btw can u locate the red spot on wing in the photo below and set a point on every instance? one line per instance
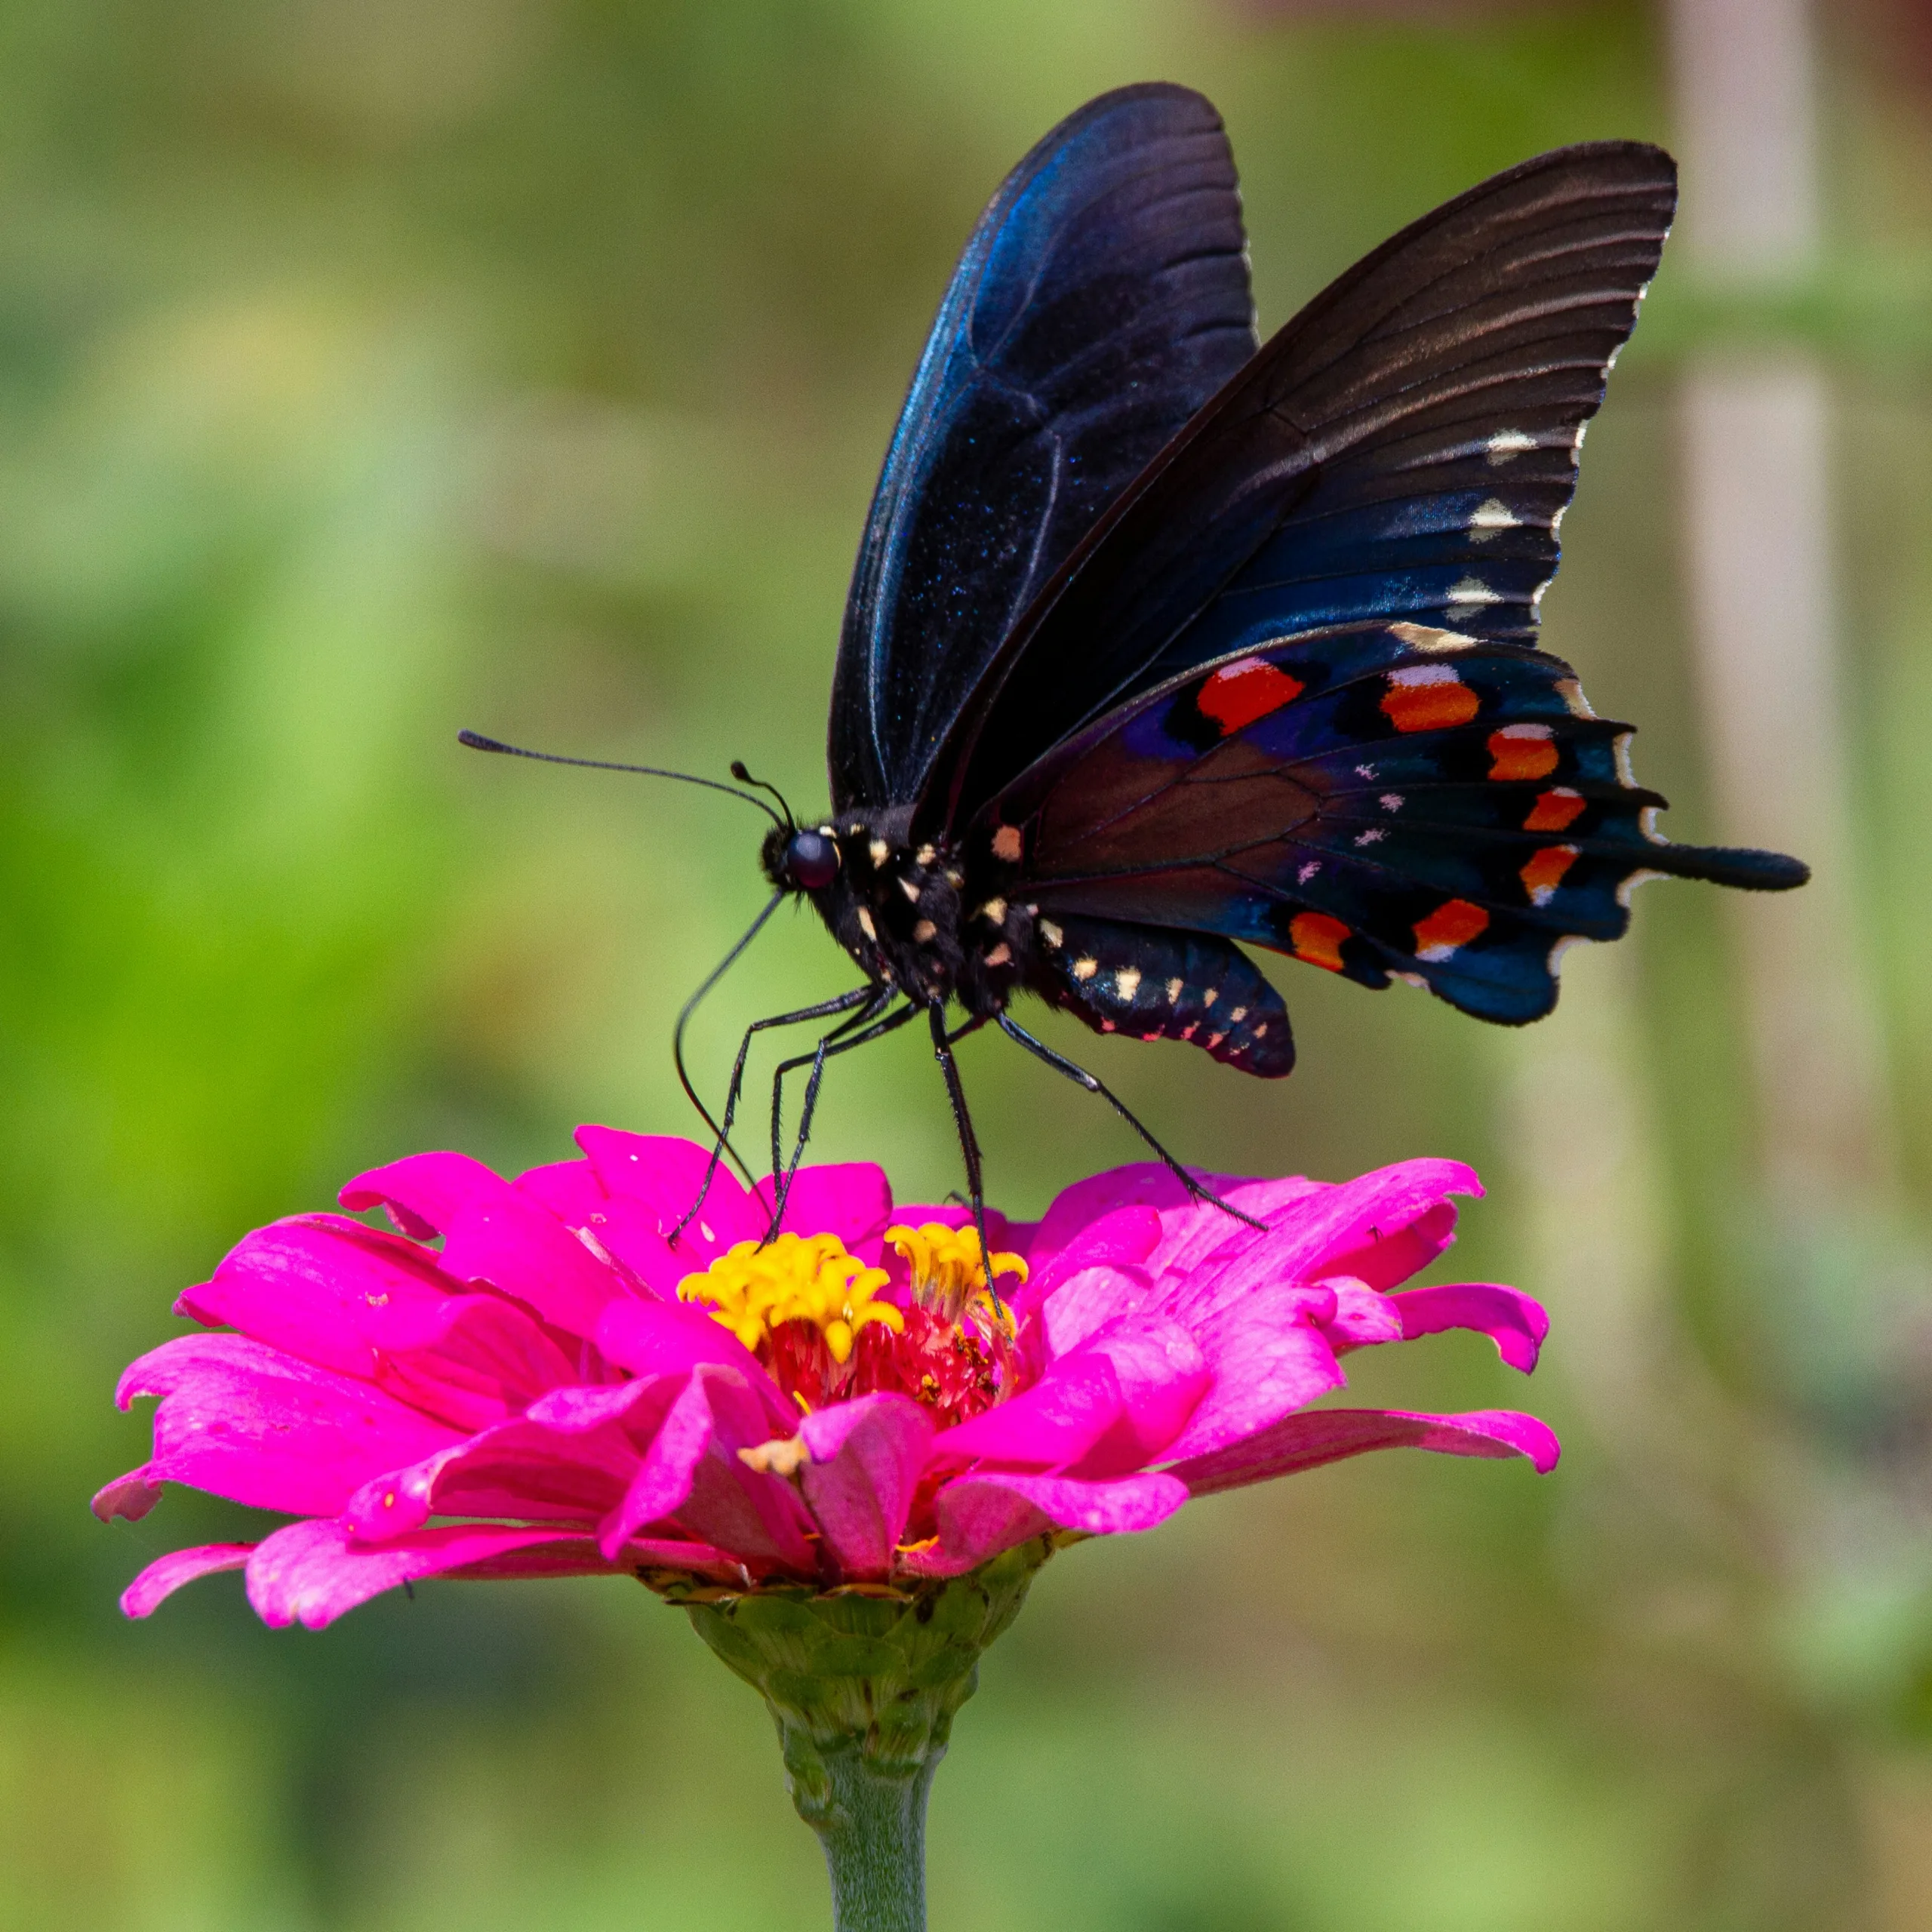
(1452, 924)
(1555, 810)
(1318, 939)
(1544, 872)
(1428, 698)
(1238, 693)
(1523, 751)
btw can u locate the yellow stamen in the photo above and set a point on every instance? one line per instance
(808, 1278)
(948, 1265)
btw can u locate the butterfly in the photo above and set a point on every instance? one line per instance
(1162, 643)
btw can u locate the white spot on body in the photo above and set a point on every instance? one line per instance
(865, 925)
(1000, 955)
(926, 855)
(1506, 445)
(993, 911)
(923, 932)
(911, 889)
(880, 851)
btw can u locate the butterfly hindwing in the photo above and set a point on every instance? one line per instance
(1403, 449)
(1377, 799)
(1101, 300)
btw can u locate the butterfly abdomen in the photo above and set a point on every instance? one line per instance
(1152, 984)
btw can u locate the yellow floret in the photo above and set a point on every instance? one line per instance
(812, 1278)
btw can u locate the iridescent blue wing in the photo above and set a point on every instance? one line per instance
(1379, 799)
(1101, 300)
(1404, 448)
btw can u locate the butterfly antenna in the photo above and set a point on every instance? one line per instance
(717, 972)
(744, 777)
(477, 742)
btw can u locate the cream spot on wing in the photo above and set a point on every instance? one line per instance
(1641, 877)
(865, 925)
(1429, 637)
(1491, 518)
(1051, 934)
(1472, 591)
(1571, 693)
(1000, 955)
(1506, 445)
(1008, 845)
(1373, 835)
(1085, 969)
(1127, 981)
(923, 931)
(993, 911)
(1210, 996)
(1174, 986)
(1624, 775)
(1237, 1016)
(1260, 1031)
(911, 889)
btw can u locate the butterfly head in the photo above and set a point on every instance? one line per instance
(801, 858)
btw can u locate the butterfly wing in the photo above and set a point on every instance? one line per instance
(1403, 449)
(1103, 298)
(1379, 799)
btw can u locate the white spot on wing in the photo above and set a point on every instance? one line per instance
(880, 851)
(1308, 871)
(1127, 981)
(1472, 591)
(1554, 961)
(1432, 637)
(1491, 517)
(1642, 876)
(1391, 801)
(1506, 445)
(1373, 836)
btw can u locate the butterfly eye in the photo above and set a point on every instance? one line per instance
(811, 860)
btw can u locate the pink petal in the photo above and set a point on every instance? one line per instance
(980, 1515)
(480, 1361)
(1381, 1228)
(661, 1177)
(567, 1459)
(325, 1288)
(1269, 1359)
(1364, 1317)
(311, 1572)
(493, 1233)
(130, 1497)
(1326, 1435)
(1163, 1376)
(1122, 1239)
(852, 1200)
(166, 1574)
(671, 1338)
(1513, 1322)
(1052, 1424)
(1144, 1184)
(423, 1193)
(661, 1484)
(867, 1456)
(259, 1427)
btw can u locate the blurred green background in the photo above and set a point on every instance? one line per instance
(373, 367)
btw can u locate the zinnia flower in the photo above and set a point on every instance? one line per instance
(561, 1388)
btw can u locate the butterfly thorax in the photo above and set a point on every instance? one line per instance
(927, 917)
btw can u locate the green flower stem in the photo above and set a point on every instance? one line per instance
(862, 1685)
(874, 1833)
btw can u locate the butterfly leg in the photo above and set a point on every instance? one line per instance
(844, 1003)
(828, 1048)
(1080, 1077)
(962, 1120)
(833, 1043)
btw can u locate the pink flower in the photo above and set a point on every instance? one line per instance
(560, 1390)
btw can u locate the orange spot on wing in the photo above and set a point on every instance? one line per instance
(1238, 693)
(1555, 810)
(1433, 702)
(1318, 939)
(1523, 751)
(1544, 872)
(1453, 924)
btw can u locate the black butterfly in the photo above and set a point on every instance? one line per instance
(1158, 641)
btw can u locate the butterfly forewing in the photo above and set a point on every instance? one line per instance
(1101, 300)
(1403, 449)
